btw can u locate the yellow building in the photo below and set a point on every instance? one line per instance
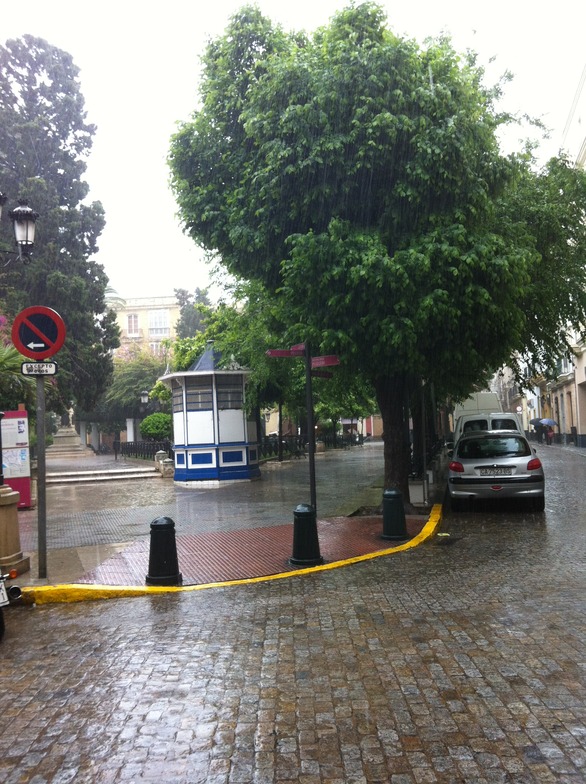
(145, 321)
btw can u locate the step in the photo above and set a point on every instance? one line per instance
(106, 475)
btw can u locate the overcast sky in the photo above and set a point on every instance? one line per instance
(139, 68)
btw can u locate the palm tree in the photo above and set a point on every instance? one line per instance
(14, 387)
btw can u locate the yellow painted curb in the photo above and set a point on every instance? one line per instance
(78, 592)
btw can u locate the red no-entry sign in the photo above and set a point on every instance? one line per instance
(38, 332)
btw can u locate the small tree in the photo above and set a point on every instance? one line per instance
(157, 427)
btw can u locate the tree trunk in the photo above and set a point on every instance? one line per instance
(392, 398)
(424, 426)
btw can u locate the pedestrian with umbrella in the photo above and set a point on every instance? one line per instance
(538, 427)
(549, 433)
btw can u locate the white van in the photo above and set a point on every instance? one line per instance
(497, 420)
(478, 403)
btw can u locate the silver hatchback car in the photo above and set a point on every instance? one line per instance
(495, 464)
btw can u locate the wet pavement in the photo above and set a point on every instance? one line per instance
(461, 660)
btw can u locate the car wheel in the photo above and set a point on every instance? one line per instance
(538, 504)
(457, 504)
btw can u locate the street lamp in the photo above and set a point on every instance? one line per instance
(144, 403)
(23, 223)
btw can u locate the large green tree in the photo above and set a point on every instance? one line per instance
(359, 178)
(44, 141)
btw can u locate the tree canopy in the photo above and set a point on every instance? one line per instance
(44, 141)
(134, 371)
(192, 310)
(358, 177)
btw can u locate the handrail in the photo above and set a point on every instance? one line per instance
(145, 450)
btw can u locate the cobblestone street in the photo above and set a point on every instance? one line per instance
(462, 660)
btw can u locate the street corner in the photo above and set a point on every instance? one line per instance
(80, 592)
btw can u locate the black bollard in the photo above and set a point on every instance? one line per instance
(394, 524)
(305, 541)
(163, 565)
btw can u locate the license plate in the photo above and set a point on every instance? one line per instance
(496, 471)
(3, 595)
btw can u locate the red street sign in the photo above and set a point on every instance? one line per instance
(322, 373)
(278, 352)
(38, 332)
(298, 350)
(329, 359)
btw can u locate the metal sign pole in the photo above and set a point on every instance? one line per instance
(304, 350)
(310, 427)
(424, 478)
(39, 332)
(41, 480)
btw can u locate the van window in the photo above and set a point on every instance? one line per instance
(504, 424)
(476, 424)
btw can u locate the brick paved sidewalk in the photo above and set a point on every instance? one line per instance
(221, 556)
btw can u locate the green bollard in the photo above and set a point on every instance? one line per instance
(394, 523)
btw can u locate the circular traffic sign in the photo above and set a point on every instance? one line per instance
(38, 332)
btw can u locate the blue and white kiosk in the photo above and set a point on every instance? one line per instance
(213, 440)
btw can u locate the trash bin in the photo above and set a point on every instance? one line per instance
(394, 523)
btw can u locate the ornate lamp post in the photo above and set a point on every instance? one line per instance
(144, 403)
(23, 223)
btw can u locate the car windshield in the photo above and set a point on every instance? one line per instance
(495, 446)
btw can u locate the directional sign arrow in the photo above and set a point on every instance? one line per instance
(278, 352)
(298, 350)
(36, 345)
(328, 360)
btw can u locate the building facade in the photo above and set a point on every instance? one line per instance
(147, 321)
(562, 399)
